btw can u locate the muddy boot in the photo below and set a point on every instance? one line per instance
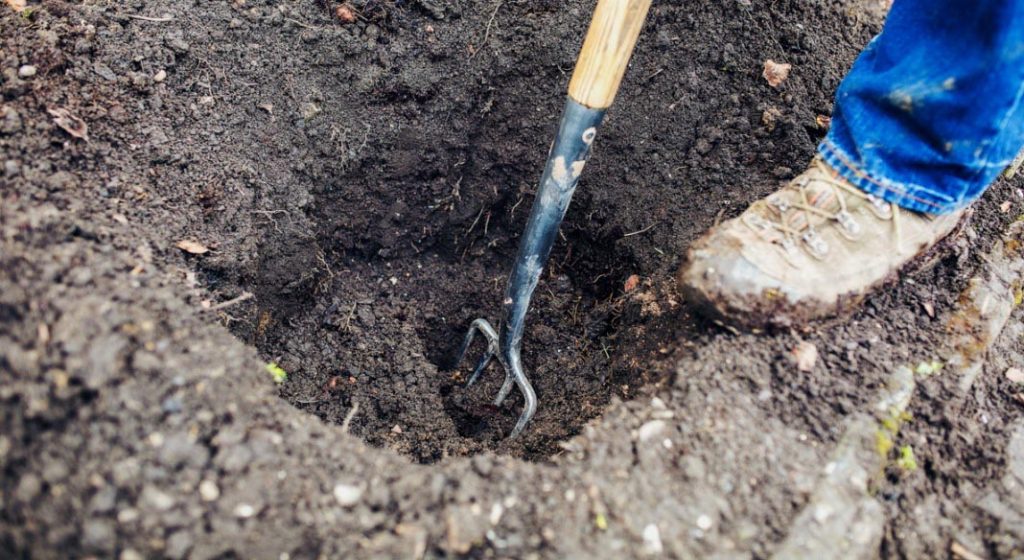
(812, 249)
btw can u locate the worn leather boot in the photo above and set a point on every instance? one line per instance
(814, 248)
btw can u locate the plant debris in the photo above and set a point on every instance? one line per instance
(345, 13)
(193, 247)
(775, 72)
(805, 355)
(277, 373)
(70, 123)
(631, 283)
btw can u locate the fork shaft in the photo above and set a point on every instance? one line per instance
(558, 182)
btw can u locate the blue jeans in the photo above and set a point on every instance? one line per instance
(932, 110)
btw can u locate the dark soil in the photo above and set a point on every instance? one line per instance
(367, 182)
(420, 177)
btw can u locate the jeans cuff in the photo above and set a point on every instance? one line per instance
(905, 196)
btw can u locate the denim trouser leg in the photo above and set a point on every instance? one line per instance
(932, 110)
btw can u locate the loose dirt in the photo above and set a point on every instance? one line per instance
(366, 182)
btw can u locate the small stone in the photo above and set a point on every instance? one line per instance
(396, 429)
(208, 490)
(171, 405)
(347, 495)
(99, 534)
(178, 44)
(104, 71)
(27, 71)
(160, 76)
(650, 429)
(1015, 375)
(309, 110)
(244, 511)
(104, 500)
(154, 498)
(10, 120)
(28, 488)
(704, 522)
(127, 515)
(130, 554)
(652, 539)
(178, 545)
(11, 168)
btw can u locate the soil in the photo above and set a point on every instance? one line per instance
(366, 183)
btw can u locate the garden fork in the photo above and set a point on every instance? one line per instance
(600, 66)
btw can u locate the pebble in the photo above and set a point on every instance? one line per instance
(104, 71)
(99, 534)
(10, 120)
(650, 429)
(27, 71)
(160, 76)
(704, 523)
(154, 498)
(127, 515)
(244, 511)
(130, 554)
(347, 495)
(179, 544)
(208, 490)
(11, 168)
(1015, 375)
(652, 539)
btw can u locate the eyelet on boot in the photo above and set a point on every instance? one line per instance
(815, 243)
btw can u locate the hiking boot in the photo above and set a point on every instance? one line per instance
(812, 249)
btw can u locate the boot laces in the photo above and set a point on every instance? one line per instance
(796, 225)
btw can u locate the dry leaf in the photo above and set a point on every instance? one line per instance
(631, 283)
(345, 13)
(775, 73)
(17, 5)
(805, 355)
(1016, 375)
(194, 247)
(70, 123)
(929, 308)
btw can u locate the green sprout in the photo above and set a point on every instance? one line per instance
(907, 461)
(277, 373)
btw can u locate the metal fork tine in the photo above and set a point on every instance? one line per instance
(484, 360)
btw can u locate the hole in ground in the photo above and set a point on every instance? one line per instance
(390, 218)
(381, 334)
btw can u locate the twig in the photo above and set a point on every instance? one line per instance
(153, 19)
(301, 24)
(348, 417)
(960, 551)
(487, 30)
(230, 302)
(638, 232)
(347, 326)
(473, 225)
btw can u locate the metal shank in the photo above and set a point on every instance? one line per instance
(561, 174)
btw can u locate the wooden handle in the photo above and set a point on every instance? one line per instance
(606, 51)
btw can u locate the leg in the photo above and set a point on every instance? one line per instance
(929, 115)
(932, 110)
